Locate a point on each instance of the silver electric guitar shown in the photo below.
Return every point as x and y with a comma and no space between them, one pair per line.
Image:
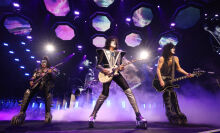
105,78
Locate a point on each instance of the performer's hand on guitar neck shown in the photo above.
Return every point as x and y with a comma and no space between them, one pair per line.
121,68
31,83
162,83
189,75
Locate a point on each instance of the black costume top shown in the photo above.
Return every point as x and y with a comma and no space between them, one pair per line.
107,58
166,70
47,80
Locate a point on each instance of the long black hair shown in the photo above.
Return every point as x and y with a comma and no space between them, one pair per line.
108,42
167,51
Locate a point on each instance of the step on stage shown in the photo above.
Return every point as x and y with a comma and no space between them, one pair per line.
104,127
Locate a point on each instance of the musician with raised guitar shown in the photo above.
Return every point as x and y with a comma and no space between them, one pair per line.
167,64
42,80
109,61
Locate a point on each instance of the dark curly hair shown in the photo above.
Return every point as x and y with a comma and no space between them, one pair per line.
167,51
108,42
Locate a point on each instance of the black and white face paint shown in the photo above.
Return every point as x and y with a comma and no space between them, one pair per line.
44,63
113,44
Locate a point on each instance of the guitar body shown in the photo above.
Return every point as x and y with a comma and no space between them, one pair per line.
168,84
105,78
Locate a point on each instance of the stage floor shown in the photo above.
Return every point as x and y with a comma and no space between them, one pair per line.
101,127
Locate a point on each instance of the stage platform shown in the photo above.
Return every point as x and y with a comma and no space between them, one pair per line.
103,127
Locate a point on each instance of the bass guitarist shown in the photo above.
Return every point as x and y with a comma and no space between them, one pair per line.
166,67
45,85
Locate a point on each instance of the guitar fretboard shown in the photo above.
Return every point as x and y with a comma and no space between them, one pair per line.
180,78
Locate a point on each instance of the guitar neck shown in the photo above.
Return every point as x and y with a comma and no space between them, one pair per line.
129,62
180,78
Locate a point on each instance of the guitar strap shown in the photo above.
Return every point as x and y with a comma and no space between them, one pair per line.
173,68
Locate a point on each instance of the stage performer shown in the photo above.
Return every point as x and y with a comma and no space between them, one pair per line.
167,64
45,85
107,58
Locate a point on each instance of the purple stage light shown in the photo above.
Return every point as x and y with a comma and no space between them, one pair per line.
38,61
22,67
16,4
205,14
17,60
84,57
27,74
23,43
29,37
128,19
216,15
81,68
27,50
76,12
172,24
11,52
33,105
79,47
32,57
158,6
159,49
5,44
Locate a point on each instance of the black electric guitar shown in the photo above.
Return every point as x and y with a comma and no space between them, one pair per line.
169,83
36,82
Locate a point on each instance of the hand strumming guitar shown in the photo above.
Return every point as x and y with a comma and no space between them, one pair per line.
162,83
31,83
106,71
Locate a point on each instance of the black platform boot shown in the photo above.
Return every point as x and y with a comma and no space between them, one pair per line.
141,122
98,104
18,120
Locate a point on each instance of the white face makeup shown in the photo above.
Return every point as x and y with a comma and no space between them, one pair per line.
44,63
113,44
172,50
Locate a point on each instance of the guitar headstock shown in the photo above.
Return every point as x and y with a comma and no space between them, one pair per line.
198,73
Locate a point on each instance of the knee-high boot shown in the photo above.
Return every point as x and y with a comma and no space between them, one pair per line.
19,119
98,104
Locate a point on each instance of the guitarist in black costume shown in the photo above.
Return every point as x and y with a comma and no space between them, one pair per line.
166,67
108,57
45,85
